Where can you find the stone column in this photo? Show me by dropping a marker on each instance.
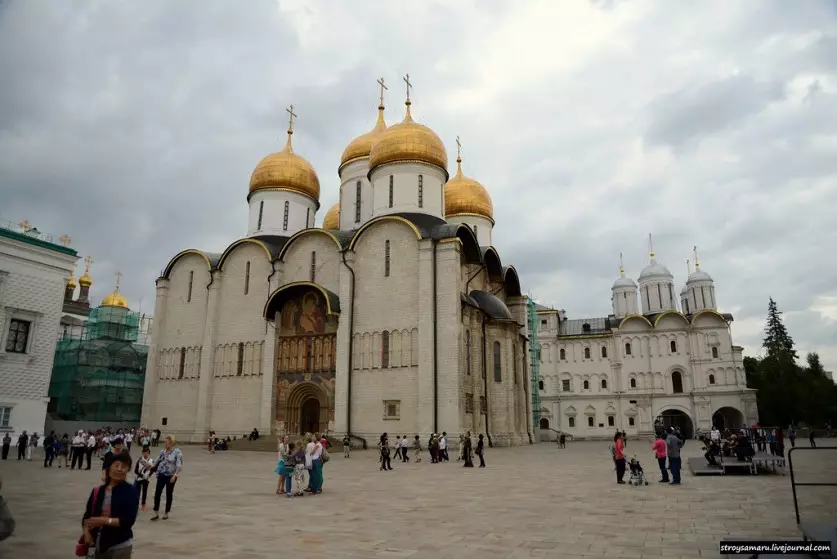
(203, 411)
(449, 331)
(149, 395)
(268, 410)
(424, 388)
(342, 373)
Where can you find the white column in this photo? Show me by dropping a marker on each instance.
(425, 345)
(203, 412)
(149, 395)
(341, 385)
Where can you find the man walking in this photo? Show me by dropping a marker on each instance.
(443, 447)
(78, 450)
(33, 444)
(22, 443)
(91, 447)
(49, 450)
(7, 443)
(673, 443)
(405, 449)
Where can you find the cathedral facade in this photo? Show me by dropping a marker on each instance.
(647, 363)
(397, 315)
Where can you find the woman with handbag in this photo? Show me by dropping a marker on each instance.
(110, 514)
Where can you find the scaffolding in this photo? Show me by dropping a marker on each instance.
(100, 375)
(535, 356)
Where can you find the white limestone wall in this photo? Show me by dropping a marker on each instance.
(183, 326)
(351, 176)
(624, 301)
(297, 260)
(657, 295)
(482, 226)
(700, 296)
(405, 181)
(32, 283)
(390, 303)
(271, 203)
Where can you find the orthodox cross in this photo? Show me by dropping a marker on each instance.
(697, 262)
(406, 78)
(688, 267)
(88, 260)
(65, 240)
(118, 279)
(25, 225)
(650, 246)
(621, 265)
(383, 87)
(291, 116)
(458, 148)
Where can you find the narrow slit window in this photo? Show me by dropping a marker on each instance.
(247, 278)
(673, 346)
(468, 352)
(357, 202)
(313, 265)
(498, 364)
(261, 214)
(385, 350)
(604, 351)
(189, 293)
(386, 259)
(587, 353)
(390, 190)
(714, 352)
(240, 365)
(476, 230)
(182, 368)
(628, 349)
(307, 217)
(563, 354)
(285, 218)
(421, 191)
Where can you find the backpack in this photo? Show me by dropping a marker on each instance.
(324, 456)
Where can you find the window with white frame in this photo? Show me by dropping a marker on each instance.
(17, 339)
(392, 409)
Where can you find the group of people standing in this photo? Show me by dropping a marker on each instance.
(437, 447)
(300, 465)
(666, 446)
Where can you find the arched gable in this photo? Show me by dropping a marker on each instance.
(634, 318)
(470, 246)
(709, 314)
(207, 257)
(492, 262)
(278, 297)
(379, 219)
(310, 231)
(238, 243)
(665, 314)
(511, 282)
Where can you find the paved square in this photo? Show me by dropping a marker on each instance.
(534, 501)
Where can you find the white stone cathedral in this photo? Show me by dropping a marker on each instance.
(396, 316)
(645, 363)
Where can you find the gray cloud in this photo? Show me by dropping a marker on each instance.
(134, 127)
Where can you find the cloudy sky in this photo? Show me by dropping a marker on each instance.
(134, 127)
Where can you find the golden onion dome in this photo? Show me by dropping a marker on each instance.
(85, 280)
(361, 146)
(332, 217)
(466, 196)
(285, 170)
(115, 299)
(409, 141)
(71, 281)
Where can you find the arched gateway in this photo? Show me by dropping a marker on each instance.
(305, 316)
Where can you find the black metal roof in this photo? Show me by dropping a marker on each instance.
(491, 304)
(274, 243)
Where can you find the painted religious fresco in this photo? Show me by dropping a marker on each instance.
(306, 358)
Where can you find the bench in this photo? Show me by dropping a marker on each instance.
(732, 463)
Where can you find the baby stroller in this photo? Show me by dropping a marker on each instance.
(637, 475)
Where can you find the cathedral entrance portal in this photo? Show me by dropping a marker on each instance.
(309, 420)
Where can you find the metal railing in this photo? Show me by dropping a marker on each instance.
(795, 484)
(28, 231)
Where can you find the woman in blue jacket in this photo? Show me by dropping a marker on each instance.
(111, 512)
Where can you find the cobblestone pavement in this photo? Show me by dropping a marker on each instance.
(534, 501)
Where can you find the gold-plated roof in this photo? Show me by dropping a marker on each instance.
(86, 280)
(115, 299)
(71, 281)
(287, 170)
(361, 146)
(466, 196)
(408, 141)
(332, 217)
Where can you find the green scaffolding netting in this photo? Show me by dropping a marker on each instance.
(99, 375)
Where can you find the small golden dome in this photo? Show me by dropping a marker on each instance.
(85, 280)
(466, 196)
(332, 217)
(361, 146)
(286, 170)
(115, 299)
(71, 282)
(409, 141)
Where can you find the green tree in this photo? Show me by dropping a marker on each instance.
(777, 341)
(815, 367)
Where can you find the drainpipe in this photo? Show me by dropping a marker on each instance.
(351, 350)
(526, 382)
(485, 380)
(435, 345)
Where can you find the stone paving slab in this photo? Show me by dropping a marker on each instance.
(534, 501)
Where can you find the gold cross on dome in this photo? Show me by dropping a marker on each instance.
(406, 79)
(118, 279)
(88, 260)
(25, 225)
(383, 87)
(291, 116)
(65, 240)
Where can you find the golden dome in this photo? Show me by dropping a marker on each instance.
(466, 196)
(286, 170)
(361, 146)
(115, 299)
(332, 217)
(85, 280)
(409, 141)
(71, 281)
